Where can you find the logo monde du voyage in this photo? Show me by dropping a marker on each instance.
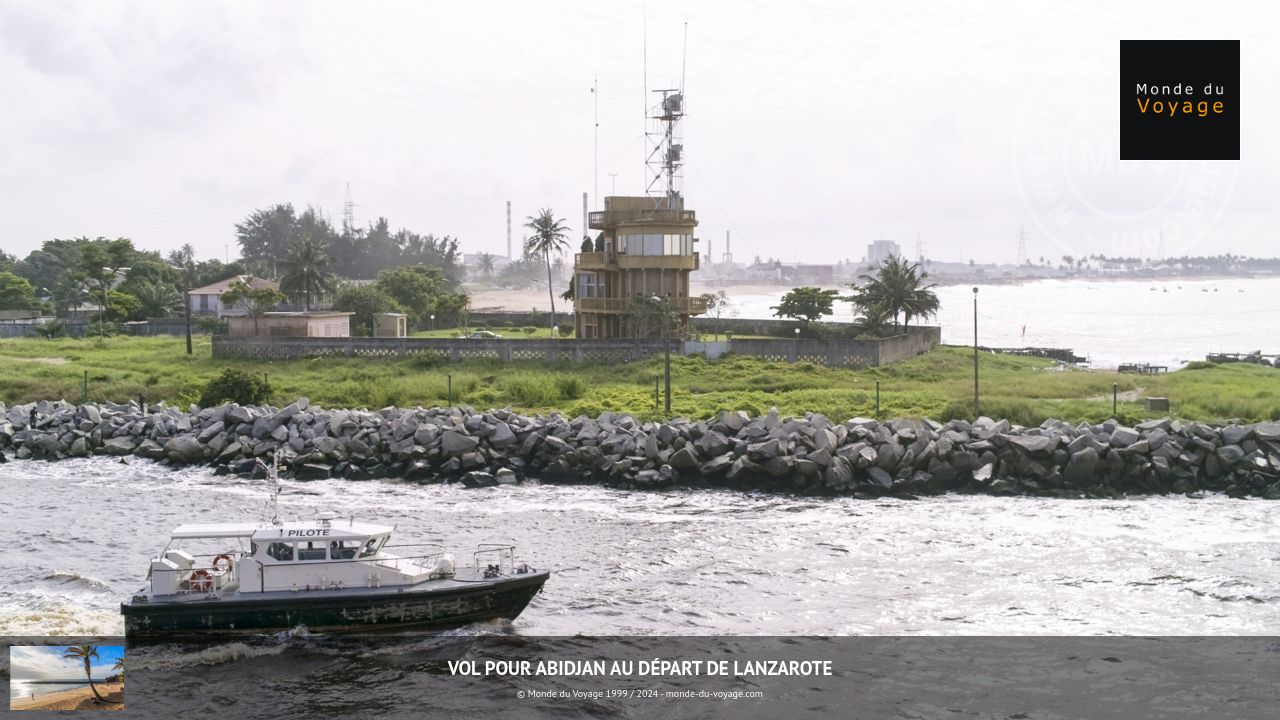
(1179, 99)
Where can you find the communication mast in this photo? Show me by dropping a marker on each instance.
(666, 143)
(1022, 246)
(666, 148)
(348, 213)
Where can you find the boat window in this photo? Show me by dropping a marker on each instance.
(343, 549)
(310, 552)
(280, 551)
(371, 547)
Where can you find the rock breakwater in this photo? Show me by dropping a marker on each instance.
(810, 454)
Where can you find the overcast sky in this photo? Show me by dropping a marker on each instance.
(813, 127)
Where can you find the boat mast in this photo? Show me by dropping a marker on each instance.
(274, 474)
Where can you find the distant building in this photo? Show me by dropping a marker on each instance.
(880, 250)
(646, 251)
(207, 300)
(292, 324)
(809, 274)
(390, 325)
(769, 270)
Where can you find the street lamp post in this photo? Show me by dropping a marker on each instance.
(433, 323)
(796, 347)
(666, 354)
(976, 412)
(186, 312)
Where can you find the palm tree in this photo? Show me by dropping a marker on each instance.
(158, 299)
(549, 235)
(186, 255)
(486, 264)
(119, 666)
(306, 272)
(896, 290)
(85, 652)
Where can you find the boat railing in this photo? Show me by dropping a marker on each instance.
(196, 579)
(498, 552)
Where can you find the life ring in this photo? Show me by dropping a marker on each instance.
(230, 562)
(201, 581)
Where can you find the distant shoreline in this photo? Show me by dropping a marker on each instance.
(498, 300)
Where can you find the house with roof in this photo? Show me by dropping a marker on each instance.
(207, 300)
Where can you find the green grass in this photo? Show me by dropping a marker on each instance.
(937, 385)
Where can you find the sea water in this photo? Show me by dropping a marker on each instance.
(1167, 321)
(79, 534)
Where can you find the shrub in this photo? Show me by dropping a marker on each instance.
(1200, 365)
(50, 330)
(236, 386)
(101, 328)
(570, 387)
(531, 390)
(528, 330)
(211, 325)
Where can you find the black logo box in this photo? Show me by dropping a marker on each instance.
(1189, 65)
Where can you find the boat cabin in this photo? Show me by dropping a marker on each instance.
(320, 554)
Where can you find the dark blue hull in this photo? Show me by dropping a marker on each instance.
(435, 605)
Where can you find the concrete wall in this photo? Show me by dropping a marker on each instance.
(280, 348)
(836, 353)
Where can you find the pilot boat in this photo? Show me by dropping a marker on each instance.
(327, 574)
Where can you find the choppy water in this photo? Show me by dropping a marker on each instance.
(78, 534)
(1163, 322)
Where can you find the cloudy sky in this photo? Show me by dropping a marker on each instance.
(31, 662)
(813, 127)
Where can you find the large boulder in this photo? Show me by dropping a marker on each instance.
(455, 444)
(1082, 467)
(121, 445)
(184, 448)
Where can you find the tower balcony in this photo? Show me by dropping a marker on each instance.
(604, 219)
(680, 305)
(615, 261)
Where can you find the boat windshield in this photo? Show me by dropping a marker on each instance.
(372, 546)
(343, 549)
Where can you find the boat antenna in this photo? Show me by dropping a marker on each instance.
(274, 475)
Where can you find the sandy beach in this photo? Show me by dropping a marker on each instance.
(77, 699)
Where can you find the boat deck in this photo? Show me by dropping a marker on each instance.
(465, 579)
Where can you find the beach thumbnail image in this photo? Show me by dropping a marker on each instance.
(66, 677)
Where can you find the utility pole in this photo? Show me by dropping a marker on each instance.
(664, 304)
(976, 412)
(187, 308)
(509, 257)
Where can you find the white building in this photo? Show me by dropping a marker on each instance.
(207, 300)
(880, 250)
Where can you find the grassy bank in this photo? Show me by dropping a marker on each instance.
(937, 385)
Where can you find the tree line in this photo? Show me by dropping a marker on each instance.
(109, 274)
(269, 235)
(898, 290)
(364, 270)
